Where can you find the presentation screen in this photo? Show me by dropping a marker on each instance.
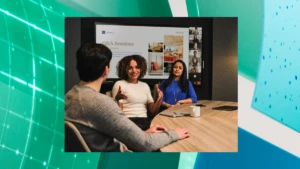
(160, 46)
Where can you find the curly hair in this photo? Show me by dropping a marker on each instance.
(124, 64)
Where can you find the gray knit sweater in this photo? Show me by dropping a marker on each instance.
(103, 125)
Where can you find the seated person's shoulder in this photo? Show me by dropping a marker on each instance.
(100, 102)
(97, 98)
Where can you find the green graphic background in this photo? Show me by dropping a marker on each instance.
(32, 73)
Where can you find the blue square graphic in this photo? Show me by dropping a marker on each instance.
(277, 92)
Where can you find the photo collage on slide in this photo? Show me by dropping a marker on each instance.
(155, 53)
(163, 54)
(195, 55)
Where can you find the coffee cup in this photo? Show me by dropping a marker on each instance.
(195, 111)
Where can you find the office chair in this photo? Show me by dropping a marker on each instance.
(109, 93)
(155, 94)
(73, 139)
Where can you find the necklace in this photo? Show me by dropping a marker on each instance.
(175, 93)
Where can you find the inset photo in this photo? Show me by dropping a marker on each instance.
(155, 64)
(194, 61)
(195, 39)
(195, 46)
(155, 47)
(173, 49)
(195, 30)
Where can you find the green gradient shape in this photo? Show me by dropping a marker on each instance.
(110, 8)
(139, 160)
(193, 8)
(117, 8)
(32, 130)
(250, 28)
(158, 8)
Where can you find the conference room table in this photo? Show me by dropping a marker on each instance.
(213, 131)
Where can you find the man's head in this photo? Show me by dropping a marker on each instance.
(93, 61)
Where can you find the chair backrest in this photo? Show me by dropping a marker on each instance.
(73, 139)
(155, 94)
(109, 93)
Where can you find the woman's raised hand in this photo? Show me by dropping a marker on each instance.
(120, 95)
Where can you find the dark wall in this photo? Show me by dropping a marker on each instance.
(72, 43)
(87, 34)
(225, 60)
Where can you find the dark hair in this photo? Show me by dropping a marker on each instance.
(92, 60)
(183, 81)
(124, 64)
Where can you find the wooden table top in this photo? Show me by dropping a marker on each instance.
(213, 131)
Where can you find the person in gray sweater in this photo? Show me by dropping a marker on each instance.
(98, 117)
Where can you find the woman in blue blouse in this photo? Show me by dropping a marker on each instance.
(177, 88)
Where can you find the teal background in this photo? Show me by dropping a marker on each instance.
(32, 87)
(32, 74)
(250, 28)
(277, 92)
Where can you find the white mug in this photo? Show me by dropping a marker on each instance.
(195, 111)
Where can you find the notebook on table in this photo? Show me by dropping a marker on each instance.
(175, 114)
(226, 108)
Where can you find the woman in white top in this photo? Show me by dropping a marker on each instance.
(134, 97)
